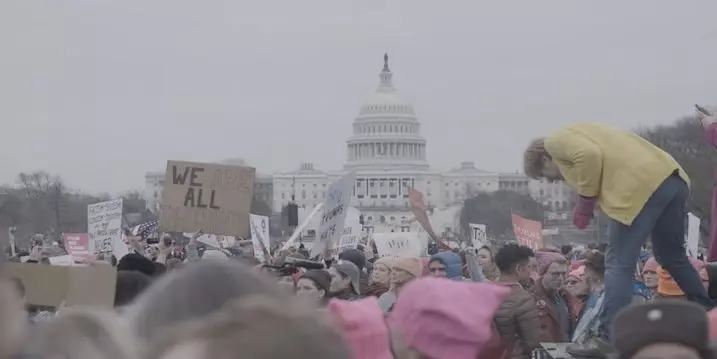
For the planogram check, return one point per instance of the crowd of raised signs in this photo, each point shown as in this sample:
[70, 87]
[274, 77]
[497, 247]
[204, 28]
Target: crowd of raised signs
[619, 299]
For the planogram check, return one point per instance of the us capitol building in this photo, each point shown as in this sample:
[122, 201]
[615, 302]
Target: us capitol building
[388, 152]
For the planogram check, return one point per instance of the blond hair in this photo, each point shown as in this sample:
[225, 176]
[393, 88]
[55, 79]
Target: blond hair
[533, 158]
[86, 333]
[257, 327]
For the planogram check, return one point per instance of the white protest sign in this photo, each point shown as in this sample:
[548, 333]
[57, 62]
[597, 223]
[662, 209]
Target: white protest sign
[349, 240]
[402, 244]
[333, 214]
[104, 225]
[297, 232]
[478, 235]
[120, 248]
[259, 226]
[693, 235]
[64, 261]
[208, 239]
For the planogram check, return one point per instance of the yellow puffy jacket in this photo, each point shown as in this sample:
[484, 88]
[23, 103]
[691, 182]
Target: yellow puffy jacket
[618, 167]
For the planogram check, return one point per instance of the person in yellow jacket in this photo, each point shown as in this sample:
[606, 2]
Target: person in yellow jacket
[639, 186]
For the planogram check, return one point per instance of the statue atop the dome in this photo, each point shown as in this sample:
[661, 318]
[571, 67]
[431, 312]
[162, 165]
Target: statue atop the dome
[385, 62]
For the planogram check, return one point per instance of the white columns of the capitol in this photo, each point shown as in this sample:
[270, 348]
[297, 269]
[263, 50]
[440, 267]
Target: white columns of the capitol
[388, 149]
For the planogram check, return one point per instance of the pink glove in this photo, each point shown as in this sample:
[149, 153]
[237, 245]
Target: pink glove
[583, 212]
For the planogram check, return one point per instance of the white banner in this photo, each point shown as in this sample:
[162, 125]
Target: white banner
[403, 244]
[333, 213]
[297, 232]
[349, 240]
[259, 226]
[104, 226]
[479, 237]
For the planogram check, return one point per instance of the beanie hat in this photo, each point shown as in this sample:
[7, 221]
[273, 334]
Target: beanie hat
[578, 273]
[361, 324]
[386, 261]
[352, 271]
[354, 256]
[137, 262]
[453, 263]
[576, 264]
[666, 285]
[545, 259]
[320, 277]
[650, 265]
[412, 265]
[446, 319]
[670, 321]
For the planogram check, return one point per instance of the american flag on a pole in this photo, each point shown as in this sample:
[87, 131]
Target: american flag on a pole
[146, 230]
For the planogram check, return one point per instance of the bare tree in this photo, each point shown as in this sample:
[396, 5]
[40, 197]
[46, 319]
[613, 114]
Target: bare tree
[45, 194]
[133, 202]
[494, 209]
[683, 140]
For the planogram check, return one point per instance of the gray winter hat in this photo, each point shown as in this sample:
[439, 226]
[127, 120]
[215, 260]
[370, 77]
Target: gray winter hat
[350, 270]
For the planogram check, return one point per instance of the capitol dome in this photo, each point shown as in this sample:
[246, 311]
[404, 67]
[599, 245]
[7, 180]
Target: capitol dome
[386, 132]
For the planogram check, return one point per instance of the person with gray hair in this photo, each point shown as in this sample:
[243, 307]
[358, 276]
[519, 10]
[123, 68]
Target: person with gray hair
[254, 327]
[84, 333]
[194, 292]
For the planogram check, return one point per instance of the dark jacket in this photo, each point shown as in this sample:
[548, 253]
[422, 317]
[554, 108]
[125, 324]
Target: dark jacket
[517, 321]
[347, 294]
[363, 282]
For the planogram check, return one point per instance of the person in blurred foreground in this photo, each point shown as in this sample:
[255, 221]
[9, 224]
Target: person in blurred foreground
[664, 330]
[433, 318]
[639, 186]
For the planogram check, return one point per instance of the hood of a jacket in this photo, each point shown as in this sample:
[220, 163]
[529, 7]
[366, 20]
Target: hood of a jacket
[453, 263]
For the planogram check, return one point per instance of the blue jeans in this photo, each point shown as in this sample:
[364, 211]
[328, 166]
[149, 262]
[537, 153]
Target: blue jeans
[663, 218]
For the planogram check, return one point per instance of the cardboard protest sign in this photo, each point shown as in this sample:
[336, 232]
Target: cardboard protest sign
[74, 285]
[104, 225]
[212, 197]
[65, 260]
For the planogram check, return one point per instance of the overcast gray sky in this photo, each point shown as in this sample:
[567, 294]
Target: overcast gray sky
[102, 91]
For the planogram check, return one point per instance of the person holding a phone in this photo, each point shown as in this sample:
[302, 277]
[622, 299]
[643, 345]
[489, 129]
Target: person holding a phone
[639, 186]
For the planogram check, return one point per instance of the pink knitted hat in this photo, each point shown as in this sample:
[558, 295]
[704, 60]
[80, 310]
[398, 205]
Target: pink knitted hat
[362, 325]
[650, 265]
[447, 319]
[545, 259]
[578, 273]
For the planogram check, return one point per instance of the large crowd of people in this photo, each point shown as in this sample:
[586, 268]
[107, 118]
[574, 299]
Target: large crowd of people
[621, 299]
[360, 306]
